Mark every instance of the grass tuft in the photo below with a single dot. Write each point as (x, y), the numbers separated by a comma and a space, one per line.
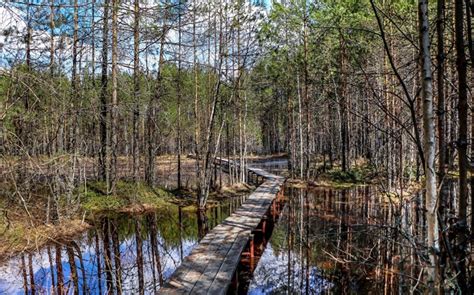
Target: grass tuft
(95, 199)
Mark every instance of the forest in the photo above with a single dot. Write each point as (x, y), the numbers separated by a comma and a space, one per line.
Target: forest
(133, 131)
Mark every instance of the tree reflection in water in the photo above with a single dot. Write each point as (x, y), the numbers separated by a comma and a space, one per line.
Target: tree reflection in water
(123, 254)
(325, 241)
(343, 242)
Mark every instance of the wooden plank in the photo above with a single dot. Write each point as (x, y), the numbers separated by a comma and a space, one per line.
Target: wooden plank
(223, 278)
(186, 275)
(210, 266)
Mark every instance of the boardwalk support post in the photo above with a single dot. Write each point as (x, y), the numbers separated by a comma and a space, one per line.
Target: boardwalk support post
(251, 246)
(264, 224)
(235, 281)
(274, 210)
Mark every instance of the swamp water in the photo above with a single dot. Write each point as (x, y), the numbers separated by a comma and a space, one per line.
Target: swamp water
(142, 250)
(352, 241)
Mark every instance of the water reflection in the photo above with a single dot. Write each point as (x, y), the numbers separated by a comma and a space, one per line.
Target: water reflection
(344, 242)
(123, 254)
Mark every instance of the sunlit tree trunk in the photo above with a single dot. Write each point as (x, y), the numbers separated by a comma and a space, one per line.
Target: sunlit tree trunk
(136, 92)
(74, 103)
(113, 126)
(178, 97)
(343, 105)
(440, 57)
(429, 141)
(306, 100)
(470, 46)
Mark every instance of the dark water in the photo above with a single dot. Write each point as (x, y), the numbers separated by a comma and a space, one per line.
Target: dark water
(143, 251)
(352, 241)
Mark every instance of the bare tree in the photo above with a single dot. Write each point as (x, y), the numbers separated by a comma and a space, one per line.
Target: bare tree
(462, 140)
(429, 141)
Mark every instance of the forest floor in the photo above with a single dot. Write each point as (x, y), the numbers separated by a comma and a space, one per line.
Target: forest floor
(360, 173)
(23, 226)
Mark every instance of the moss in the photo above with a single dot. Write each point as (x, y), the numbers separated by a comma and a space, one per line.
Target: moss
(362, 173)
(96, 203)
(351, 176)
(343, 184)
(94, 197)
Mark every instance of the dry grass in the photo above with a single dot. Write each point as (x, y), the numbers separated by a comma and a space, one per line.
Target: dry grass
(22, 237)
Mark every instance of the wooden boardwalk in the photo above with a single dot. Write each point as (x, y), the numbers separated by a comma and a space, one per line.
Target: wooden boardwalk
(210, 267)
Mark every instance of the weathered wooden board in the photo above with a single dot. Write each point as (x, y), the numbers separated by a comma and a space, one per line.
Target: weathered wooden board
(211, 265)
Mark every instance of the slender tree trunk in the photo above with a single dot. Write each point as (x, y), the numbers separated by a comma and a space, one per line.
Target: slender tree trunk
(136, 93)
(300, 127)
(52, 28)
(178, 94)
(429, 141)
(470, 42)
(151, 115)
(442, 151)
(113, 126)
(25, 126)
(440, 57)
(343, 106)
(93, 8)
(74, 87)
(306, 95)
(94, 140)
(410, 100)
(462, 141)
(104, 109)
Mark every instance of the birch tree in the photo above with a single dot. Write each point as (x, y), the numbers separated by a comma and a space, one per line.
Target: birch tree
(429, 140)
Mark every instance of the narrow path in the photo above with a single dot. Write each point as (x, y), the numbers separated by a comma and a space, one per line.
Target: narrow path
(211, 266)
